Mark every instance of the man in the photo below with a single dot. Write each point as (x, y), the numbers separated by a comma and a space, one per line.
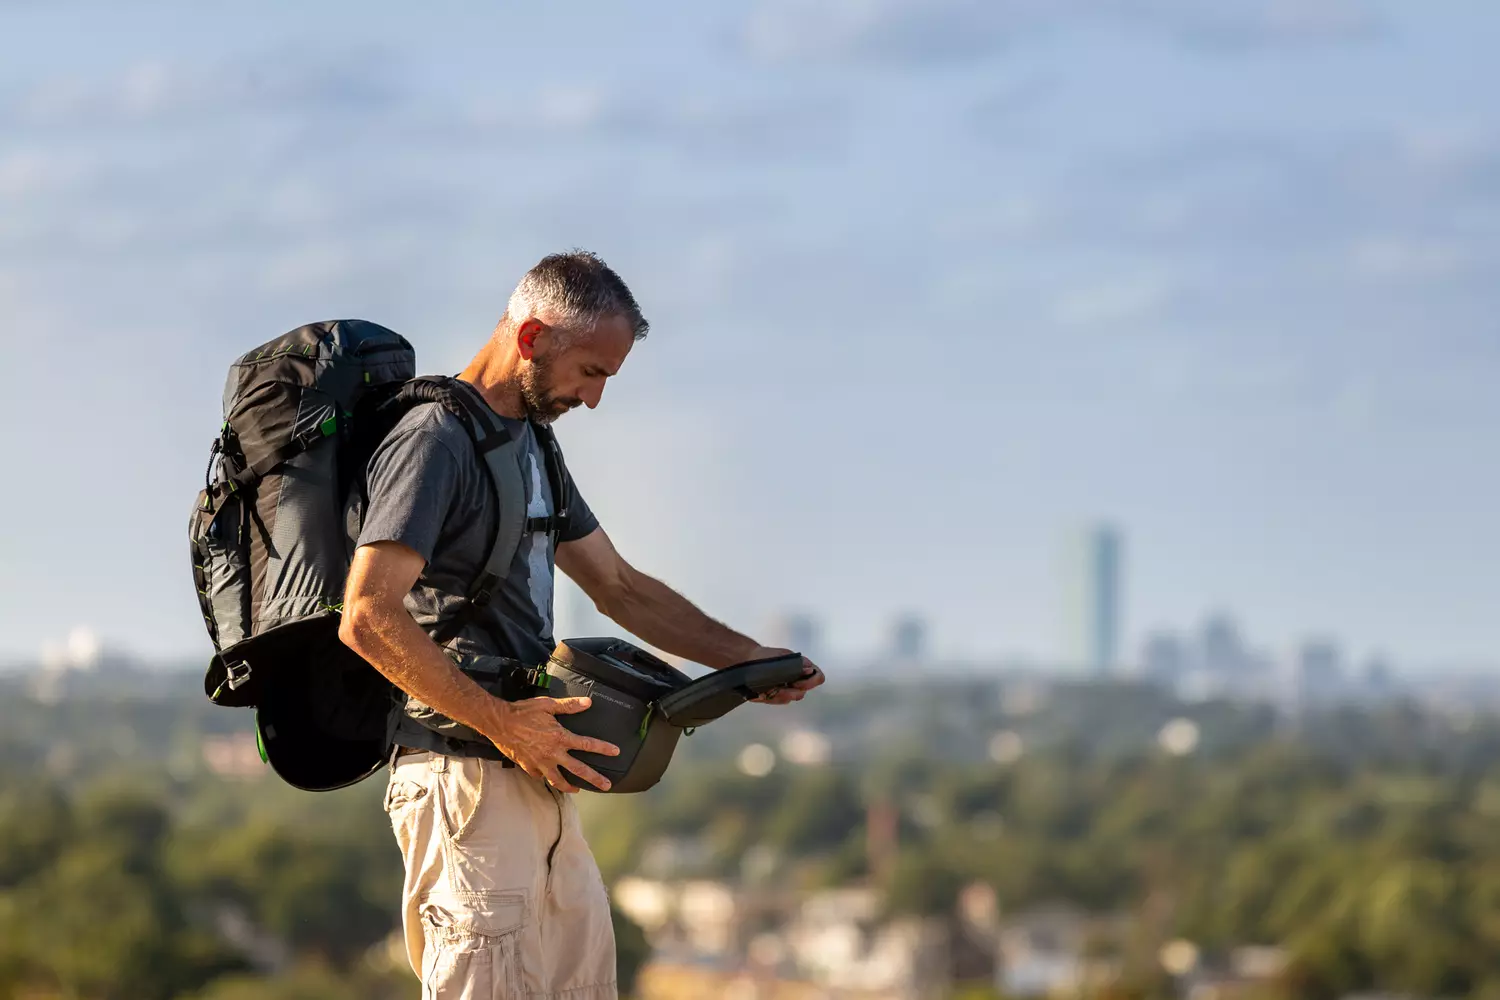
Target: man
(502, 896)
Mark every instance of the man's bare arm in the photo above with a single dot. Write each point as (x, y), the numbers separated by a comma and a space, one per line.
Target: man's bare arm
(658, 614)
(648, 607)
(377, 626)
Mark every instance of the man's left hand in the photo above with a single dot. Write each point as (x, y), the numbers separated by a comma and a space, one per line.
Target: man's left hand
(811, 677)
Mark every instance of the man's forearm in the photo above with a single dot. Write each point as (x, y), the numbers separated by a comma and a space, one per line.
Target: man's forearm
(658, 614)
(398, 647)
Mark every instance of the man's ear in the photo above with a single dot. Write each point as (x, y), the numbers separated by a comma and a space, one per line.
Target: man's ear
(526, 337)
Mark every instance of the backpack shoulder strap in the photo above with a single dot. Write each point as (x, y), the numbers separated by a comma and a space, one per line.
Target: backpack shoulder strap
(498, 447)
(557, 478)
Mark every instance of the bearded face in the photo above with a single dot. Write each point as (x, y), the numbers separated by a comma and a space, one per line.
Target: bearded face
(544, 403)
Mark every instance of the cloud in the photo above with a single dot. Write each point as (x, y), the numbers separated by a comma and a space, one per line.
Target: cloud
(1403, 258)
(153, 91)
(1373, 203)
(1247, 24)
(909, 32)
(1136, 299)
(700, 125)
(942, 32)
(995, 113)
(26, 173)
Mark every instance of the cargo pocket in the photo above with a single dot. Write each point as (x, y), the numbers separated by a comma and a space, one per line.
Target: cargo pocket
(401, 793)
(472, 946)
(459, 786)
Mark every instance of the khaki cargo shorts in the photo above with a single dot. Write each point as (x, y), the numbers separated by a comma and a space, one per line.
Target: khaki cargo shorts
(502, 898)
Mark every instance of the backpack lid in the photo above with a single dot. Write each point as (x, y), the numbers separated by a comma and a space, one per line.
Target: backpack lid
(716, 694)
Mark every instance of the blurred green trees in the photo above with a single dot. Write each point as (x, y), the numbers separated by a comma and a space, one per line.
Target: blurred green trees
(1365, 845)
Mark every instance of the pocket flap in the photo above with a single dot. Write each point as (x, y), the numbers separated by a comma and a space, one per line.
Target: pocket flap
(475, 914)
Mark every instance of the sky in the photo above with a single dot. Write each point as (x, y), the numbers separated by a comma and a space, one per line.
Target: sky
(931, 284)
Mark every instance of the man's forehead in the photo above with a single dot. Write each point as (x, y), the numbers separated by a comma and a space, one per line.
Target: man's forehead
(609, 340)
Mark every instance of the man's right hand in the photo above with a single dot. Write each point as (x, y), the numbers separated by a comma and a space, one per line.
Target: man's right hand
(529, 734)
(376, 625)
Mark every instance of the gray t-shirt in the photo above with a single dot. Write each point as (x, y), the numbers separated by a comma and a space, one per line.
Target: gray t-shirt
(429, 491)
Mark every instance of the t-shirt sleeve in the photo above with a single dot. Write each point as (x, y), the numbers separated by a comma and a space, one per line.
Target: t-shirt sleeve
(413, 483)
(580, 521)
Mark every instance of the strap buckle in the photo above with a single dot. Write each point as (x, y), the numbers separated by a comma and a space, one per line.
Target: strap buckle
(237, 673)
(537, 676)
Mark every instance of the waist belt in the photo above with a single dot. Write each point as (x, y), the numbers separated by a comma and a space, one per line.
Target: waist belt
(419, 727)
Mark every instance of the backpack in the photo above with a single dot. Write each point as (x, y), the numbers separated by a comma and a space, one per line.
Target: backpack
(273, 531)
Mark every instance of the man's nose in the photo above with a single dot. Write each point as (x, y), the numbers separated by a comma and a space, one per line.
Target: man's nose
(592, 396)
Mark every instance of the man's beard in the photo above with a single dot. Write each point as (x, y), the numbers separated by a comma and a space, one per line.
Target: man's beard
(542, 405)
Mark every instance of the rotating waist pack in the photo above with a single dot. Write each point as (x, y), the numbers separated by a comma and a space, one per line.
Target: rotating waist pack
(643, 705)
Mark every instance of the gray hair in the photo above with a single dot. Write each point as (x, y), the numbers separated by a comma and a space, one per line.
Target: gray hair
(575, 290)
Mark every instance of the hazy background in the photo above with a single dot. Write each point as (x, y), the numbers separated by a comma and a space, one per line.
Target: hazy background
(936, 289)
(930, 284)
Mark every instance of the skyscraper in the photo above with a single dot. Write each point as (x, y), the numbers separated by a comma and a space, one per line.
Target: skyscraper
(1164, 658)
(1092, 602)
(1319, 672)
(909, 638)
(799, 631)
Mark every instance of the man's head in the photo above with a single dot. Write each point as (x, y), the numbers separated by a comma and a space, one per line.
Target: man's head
(572, 321)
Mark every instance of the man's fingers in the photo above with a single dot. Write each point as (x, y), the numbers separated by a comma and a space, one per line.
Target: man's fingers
(578, 769)
(554, 777)
(565, 706)
(589, 745)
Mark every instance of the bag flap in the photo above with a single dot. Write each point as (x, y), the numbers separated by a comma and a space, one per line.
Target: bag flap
(620, 665)
(722, 691)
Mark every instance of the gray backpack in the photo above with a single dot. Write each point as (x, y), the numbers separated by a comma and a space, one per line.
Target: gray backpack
(273, 531)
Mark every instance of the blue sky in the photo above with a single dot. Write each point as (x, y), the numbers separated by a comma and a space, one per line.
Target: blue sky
(930, 283)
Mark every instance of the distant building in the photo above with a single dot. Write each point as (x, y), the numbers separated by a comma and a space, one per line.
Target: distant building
(1319, 672)
(1377, 680)
(1042, 953)
(1221, 650)
(1164, 658)
(799, 631)
(1093, 598)
(1222, 664)
(909, 638)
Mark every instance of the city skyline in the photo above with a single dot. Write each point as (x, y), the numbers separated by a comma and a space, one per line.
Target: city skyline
(1096, 635)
